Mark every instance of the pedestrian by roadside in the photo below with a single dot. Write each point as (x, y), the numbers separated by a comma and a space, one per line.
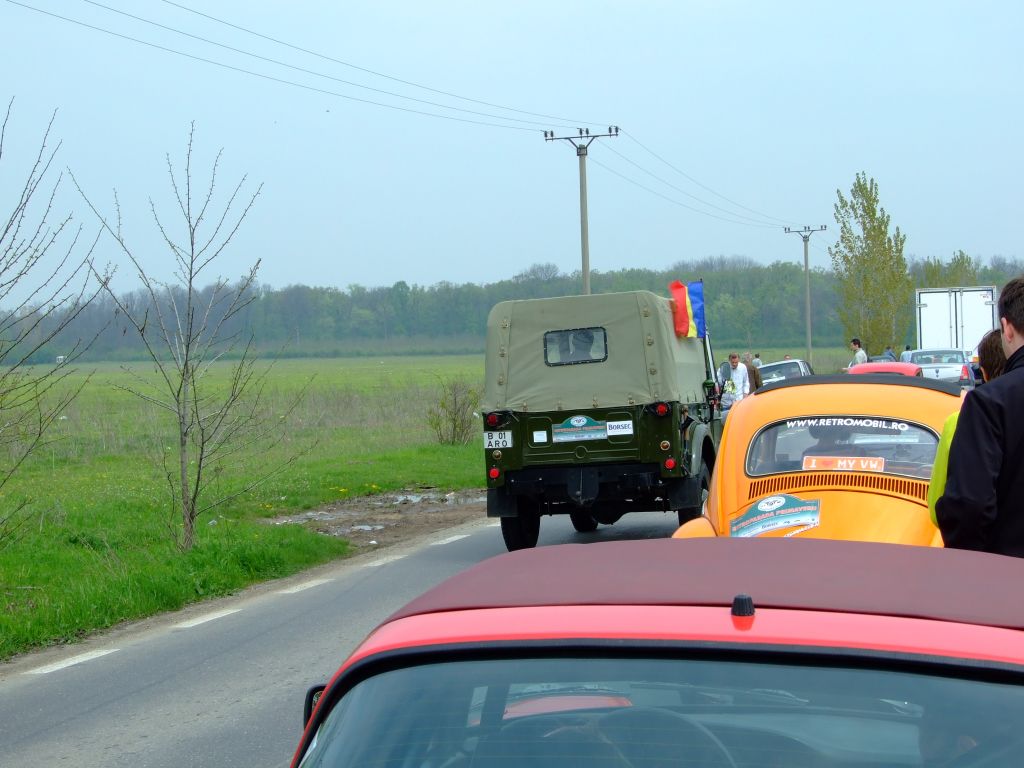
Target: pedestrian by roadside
(982, 507)
(859, 355)
(735, 382)
(906, 354)
(757, 360)
(992, 362)
(889, 354)
(753, 374)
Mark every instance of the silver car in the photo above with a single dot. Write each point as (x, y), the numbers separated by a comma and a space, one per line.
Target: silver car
(784, 369)
(949, 365)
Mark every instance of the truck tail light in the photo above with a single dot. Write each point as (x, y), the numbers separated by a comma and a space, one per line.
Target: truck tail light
(494, 473)
(660, 409)
(496, 419)
(670, 463)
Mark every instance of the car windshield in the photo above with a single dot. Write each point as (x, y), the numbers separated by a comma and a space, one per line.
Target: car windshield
(938, 357)
(629, 712)
(780, 371)
(843, 443)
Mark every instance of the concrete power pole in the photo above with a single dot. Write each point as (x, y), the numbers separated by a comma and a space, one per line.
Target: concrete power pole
(806, 233)
(581, 143)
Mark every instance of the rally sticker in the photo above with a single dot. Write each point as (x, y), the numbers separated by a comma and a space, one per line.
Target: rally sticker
(845, 463)
(619, 428)
(577, 428)
(776, 512)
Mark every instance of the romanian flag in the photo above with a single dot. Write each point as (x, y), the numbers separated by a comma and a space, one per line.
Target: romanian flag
(689, 308)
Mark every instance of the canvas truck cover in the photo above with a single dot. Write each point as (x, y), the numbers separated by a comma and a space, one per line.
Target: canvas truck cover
(646, 362)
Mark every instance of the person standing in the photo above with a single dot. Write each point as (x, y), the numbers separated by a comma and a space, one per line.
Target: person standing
(906, 354)
(735, 382)
(982, 507)
(992, 361)
(757, 360)
(859, 355)
(889, 354)
(753, 374)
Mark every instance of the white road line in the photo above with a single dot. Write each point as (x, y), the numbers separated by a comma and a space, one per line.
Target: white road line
(208, 617)
(71, 662)
(303, 586)
(384, 561)
(449, 540)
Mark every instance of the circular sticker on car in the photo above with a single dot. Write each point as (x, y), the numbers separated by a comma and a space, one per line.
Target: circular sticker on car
(578, 421)
(771, 503)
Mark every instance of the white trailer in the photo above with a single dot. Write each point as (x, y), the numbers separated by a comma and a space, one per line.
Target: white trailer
(955, 318)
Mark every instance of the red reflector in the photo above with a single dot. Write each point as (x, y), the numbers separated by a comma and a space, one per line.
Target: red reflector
(492, 419)
(670, 463)
(662, 409)
(494, 473)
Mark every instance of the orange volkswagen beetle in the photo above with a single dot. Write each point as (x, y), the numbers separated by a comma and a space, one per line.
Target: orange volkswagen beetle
(832, 457)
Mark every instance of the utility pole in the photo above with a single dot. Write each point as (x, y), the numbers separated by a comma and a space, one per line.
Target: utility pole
(581, 143)
(805, 234)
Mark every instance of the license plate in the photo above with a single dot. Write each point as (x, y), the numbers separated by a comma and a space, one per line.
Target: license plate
(497, 439)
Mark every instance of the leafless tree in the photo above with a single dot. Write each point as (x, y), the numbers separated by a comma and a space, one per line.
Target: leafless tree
(186, 331)
(44, 286)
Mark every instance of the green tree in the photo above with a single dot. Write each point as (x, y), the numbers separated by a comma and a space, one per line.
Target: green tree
(962, 270)
(872, 283)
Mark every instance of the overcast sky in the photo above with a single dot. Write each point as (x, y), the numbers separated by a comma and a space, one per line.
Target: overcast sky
(737, 119)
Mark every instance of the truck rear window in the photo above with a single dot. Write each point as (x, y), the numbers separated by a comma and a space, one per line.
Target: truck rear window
(575, 345)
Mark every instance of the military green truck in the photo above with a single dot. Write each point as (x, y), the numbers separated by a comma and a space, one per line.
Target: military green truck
(594, 407)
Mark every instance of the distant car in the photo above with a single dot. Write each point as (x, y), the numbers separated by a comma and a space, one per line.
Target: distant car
(949, 365)
(785, 369)
(713, 653)
(904, 369)
(837, 457)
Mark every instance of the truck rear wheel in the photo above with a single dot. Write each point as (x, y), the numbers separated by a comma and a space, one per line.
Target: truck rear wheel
(687, 514)
(523, 530)
(583, 522)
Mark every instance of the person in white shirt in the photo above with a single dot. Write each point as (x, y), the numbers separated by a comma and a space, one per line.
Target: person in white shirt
(859, 355)
(735, 382)
(905, 355)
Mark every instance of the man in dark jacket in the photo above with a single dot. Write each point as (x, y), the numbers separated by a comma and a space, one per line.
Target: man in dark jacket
(983, 504)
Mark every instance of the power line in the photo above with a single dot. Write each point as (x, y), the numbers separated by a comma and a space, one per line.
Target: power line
(307, 71)
(270, 77)
(684, 192)
(699, 184)
(379, 74)
(676, 202)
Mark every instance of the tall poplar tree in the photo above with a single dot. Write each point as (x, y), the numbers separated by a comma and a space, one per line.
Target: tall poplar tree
(872, 282)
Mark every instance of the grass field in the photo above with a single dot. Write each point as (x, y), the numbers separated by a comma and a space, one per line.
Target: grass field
(99, 549)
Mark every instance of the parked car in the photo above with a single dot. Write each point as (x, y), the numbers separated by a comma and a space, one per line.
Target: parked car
(904, 369)
(945, 365)
(835, 457)
(785, 369)
(713, 653)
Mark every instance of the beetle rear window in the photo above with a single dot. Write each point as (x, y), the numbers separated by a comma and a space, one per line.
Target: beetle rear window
(843, 443)
(572, 346)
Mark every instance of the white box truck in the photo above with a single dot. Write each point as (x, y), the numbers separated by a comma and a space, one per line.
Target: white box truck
(955, 318)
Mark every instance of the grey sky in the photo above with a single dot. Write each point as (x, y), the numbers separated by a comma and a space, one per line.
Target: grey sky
(771, 106)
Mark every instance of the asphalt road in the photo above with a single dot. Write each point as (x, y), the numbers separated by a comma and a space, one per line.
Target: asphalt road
(222, 683)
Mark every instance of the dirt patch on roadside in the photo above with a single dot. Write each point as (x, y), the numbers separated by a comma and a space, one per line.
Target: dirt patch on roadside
(385, 519)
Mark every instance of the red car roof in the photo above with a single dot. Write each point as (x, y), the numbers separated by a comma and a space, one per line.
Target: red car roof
(907, 369)
(800, 574)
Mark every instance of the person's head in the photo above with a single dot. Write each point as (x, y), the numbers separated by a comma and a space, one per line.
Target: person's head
(855, 343)
(734, 359)
(907, 348)
(991, 357)
(1011, 315)
(746, 357)
(787, 357)
(757, 355)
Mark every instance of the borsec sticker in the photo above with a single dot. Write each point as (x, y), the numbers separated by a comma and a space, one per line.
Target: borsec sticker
(771, 503)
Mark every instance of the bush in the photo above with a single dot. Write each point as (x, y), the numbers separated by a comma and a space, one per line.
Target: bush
(453, 416)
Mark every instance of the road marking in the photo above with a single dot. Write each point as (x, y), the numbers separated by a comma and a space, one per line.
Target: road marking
(384, 561)
(449, 540)
(304, 585)
(208, 617)
(71, 662)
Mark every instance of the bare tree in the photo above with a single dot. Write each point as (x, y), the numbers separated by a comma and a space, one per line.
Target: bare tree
(44, 286)
(186, 330)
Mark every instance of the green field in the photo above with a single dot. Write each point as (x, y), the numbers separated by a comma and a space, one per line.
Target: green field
(99, 548)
